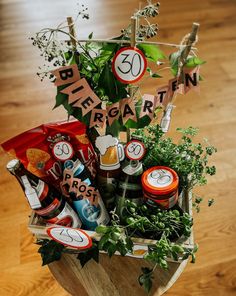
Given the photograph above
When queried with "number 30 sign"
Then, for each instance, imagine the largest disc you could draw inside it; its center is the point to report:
(71, 237)
(129, 65)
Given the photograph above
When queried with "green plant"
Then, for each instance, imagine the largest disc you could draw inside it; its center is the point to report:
(188, 159)
(94, 60)
(157, 255)
(154, 223)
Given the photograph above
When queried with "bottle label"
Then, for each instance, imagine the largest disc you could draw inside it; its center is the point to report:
(31, 194)
(42, 190)
(91, 214)
(67, 217)
(48, 210)
(167, 203)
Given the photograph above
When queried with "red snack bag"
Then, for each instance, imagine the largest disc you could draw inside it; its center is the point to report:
(41, 150)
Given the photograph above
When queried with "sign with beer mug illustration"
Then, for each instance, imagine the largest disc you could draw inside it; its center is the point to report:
(111, 152)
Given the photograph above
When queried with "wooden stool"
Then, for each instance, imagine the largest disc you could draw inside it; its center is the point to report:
(116, 276)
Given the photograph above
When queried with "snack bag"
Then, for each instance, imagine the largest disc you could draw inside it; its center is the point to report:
(43, 149)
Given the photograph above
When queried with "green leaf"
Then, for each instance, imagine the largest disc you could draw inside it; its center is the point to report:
(156, 75)
(145, 279)
(112, 248)
(121, 248)
(90, 36)
(152, 52)
(129, 244)
(92, 253)
(103, 241)
(193, 62)
(50, 251)
(102, 229)
(174, 62)
(113, 88)
(60, 97)
(193, 258)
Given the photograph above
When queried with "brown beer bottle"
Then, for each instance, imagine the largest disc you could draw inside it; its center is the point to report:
(44, 199)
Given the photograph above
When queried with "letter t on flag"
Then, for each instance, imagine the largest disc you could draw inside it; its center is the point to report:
(66, 75)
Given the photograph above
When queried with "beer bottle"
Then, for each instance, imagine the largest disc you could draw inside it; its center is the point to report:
(107, 182)
(44, 199)
(129, 186)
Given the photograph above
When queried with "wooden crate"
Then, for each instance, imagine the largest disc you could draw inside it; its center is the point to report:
(116, 276)
(38, 227)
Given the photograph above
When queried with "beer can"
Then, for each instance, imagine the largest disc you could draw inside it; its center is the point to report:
(91, 212)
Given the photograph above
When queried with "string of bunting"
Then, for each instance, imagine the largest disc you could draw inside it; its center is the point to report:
(81, 95)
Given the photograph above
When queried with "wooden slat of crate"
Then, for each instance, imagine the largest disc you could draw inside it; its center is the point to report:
(38, 227)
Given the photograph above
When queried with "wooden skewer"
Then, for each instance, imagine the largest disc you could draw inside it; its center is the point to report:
(133, 31)
(72, 31)
(191, 39)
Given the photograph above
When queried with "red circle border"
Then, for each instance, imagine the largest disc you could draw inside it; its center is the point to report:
(67, 245)
(73, 152)
(141, 143)
(113, 64)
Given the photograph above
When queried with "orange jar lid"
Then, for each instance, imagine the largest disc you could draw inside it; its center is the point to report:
(160, 180)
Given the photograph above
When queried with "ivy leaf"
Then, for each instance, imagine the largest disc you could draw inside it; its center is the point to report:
(152, 52)
(111, 249)
(121, 248)
(193, 62)
(50, 251)
(60, 97)
(129, 244)
(92, 253)
(156, 75)
(174, 61)
(113, 88)
(102, 229)
(153, 75)
(145, 279)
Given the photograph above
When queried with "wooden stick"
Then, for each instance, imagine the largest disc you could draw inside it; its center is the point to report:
(72, 31)
(133, 31)
(191, 39)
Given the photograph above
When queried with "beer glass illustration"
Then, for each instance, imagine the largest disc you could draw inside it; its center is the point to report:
(111, 152)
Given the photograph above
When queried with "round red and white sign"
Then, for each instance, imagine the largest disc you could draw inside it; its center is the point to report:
(135, 150)
(129, 65)
(63, 150)
(71, 237)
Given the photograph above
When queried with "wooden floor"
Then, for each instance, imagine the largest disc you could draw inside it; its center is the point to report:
(26, 103)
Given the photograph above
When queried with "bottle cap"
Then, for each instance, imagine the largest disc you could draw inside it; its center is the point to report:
(160, 180)
(13, 165)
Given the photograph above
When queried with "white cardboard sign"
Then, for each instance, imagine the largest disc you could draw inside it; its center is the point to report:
(135, 150)
(129, 65)
(71, 237)
(62, 150)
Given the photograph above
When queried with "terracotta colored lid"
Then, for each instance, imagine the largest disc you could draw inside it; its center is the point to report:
(160, 180)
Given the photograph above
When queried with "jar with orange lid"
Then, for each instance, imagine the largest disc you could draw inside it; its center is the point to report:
(160, 187)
